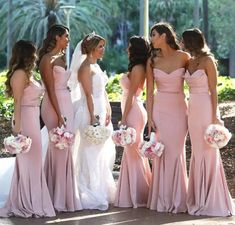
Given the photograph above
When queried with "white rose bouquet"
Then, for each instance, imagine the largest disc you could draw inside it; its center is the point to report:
(124, 136)
(17, 144)
(96, 134)
(217, 136)
(61, 138)
(151, 148)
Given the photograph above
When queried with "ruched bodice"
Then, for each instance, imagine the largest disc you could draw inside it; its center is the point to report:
(169, 82)
(125, 84)
(32, 93)
(197, 82)
(61, 77)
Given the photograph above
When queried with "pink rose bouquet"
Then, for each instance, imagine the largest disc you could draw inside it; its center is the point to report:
(17, 144)
(151, 148)
(61, 138)
(217, 136)
(124, 136)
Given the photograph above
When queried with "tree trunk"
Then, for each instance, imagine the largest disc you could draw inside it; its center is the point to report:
(205, 19)
(9, 31)
(196, 13)
(144, 18)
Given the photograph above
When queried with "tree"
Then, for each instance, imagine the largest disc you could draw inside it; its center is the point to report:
(31, 19)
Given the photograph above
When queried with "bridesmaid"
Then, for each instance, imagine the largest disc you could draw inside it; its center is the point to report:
(208, 193)
(135, 175)
(29, 195)
(57, 110)
(167, 115)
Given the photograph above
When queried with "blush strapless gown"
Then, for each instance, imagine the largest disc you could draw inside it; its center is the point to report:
(29, 195)
(208, 193)
(59, 169)
(169, 175)
(135, 174)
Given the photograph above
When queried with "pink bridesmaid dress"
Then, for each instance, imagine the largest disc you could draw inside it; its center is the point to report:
(208, 193)
(169, 176)
(29, 195)
(59, 169)
(135, 174)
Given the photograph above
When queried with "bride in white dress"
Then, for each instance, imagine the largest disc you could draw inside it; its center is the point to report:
(93, 163)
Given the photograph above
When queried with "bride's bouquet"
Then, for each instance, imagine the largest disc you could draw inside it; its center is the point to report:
(96, 134)
(17, 144)
(124, 136)
(217, 136)
(61, 138)
(151, 148)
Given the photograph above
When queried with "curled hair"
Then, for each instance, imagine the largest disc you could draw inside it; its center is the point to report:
(195, 43)
(139, 51)
(90, 42)
(171, 38)
(49, 42)
(23, 57)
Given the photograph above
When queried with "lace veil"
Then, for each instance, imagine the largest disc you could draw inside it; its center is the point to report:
(76, 62)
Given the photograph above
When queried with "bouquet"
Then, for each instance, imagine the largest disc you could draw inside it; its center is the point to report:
(62, 139)
(151, 148)
(124, 136)
(17, 144)
(96, 134)
(217, 136)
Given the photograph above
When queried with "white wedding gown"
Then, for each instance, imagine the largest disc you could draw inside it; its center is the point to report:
(93, 163)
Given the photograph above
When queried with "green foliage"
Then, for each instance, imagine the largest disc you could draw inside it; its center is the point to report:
(226, 89)
(113, 88)
(6, 104)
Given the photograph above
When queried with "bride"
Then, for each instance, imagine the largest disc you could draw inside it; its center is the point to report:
(93, 163)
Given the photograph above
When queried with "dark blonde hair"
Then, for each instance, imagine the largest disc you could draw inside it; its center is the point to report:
(90, 42)
(49, 42)
(171, 38)
(23, 57)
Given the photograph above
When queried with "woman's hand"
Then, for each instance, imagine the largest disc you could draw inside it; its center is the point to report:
(151, 126)
(217, 120)
(95, 120)
(16, 130)
(107, 119)
(61, 121)
(122, 123)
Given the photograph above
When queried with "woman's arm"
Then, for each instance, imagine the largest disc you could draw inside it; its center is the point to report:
(108, 110)
(136, 77)
(86, 82)
(150, 95)
(19, 81)
(212, 74)
(48, 79)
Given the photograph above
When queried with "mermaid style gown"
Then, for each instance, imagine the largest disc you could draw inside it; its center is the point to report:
(135, 174)
(59, 169)
(208, 193)
(93, 163)
(169, 176)
(29, 195)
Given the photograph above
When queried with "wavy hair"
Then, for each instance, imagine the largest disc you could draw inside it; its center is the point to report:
(90, 42)
(195, 43)
(23, 57)
(139, 51)
(49, 42)
(171, 38)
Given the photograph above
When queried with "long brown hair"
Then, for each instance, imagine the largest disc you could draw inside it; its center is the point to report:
(49, 42)
(23, 57)
(139, 51)
(171, 38)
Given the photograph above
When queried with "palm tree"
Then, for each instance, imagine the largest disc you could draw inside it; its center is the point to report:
(31, 19)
